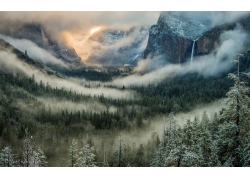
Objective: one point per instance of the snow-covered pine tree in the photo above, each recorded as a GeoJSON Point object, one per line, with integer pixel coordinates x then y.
{"type": "Point", "coordinates": [175, 155]}
{"type": "Point", "coordinates": [214, 125]}
{"type": "Point", "coordinates": [246, 155]}
{"type": "Point", "coordinates": [105, 163]}
{"type": "Point", "coordinates": [172, 138]}
{"type": "Point", "coordinates": [160, 152]}
{"type": "Point", "coordinates": [172, 126]}
{"type": "Point", "coordinates": [86, 156]}
{"type": "Point", "coordinates": [72, 153]}
{"type": "Point", "coordinates": [118, 156]}
{"type": "Point", "coordinates": [236, 121]}
{"type": "Point", "coordinates": [158, 156]}
{"type": "Point", "coordinates": [207, 146]}
{"type": "Point", "coordinates": [30, 156]}
{"type": "Point", "coordinates": [7, 159]}
{"type": "Point", "coordinates": [191, 154]}
{"type": "Point", "coordinates": [41, 158]}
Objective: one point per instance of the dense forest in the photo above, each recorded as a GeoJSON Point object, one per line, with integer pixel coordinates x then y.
{"type": "Point", "coordinates": [33, 133]}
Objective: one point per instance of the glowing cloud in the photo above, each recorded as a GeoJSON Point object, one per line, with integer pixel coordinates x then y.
{"type": "Point", "coordinates": [92, 31]}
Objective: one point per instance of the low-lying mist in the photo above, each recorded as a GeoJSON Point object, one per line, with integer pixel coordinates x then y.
{"type": "Point", "coordinates": [142, 136]}
{"type": "Point", "coordinates": [231, 43]}
{"type": "Point", "coordinates": [58, 105]}
{"type": "Point", "coordinates": [35, 52]}
{"type": "Point", "coordinates": [10, 63]}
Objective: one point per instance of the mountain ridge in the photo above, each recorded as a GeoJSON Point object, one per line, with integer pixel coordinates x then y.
{"type": "Point", "coordinates": [176, 47]}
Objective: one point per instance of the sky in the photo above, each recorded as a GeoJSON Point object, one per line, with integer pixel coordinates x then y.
{"type": "Point", "coordinates": [150, 17]}
{"type": "Point", "coordinates": [135, 5]}
{"type": "Point", "coordinates": [73, 28]}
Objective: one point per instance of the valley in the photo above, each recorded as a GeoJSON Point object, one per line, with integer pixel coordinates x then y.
{"type": "Point", "coordinates": [144, 96]}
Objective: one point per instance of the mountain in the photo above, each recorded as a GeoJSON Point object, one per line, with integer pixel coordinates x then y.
{"type": "Point", "coordinates": [120, 47]}
{"type": "Point", "coordinates": [22, 57]}
{"type": "Point", "coordinates": [36, 33]}
{"type": "Point", "coordinates": [175, 34]}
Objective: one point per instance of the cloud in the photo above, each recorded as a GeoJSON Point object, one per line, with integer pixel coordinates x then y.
{"type": "Point", "coordinates": [136, 35]}
{"type": "Point", "coordinates": [83, 46]}
{"type": "Point", "coordinates": [231, 43]}
{"type": "Point", "coordinates": [155, 76]}
{"type": "Point", "coordinates": [58, 105]}
{"type": "Point", "coordinates": [94, 48]}
{"type": "Point", "coordinates": [214, 17]}
{"type": "Point", "coordinates": [151, 70]}
{"type": "Point", "coordinates": [210, 108]}
{"type": "Point", "coordinates": [10, 63]}
{"type": "Point", "coordinates": [73, 28]}
{"type": "Point", "coordinates": [34, 51]}
{"type": "Point", "coordinates": [77, 19]}
{"type": "Point", "coordinates": [218, 18]}
{"type": "Point", "coordinates": [80, 22]}
{"type": "Point", "coordinates": [157, 122]}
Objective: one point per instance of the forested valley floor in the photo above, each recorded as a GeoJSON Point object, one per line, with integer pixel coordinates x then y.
{"type": "Point", "coordinates": [35, 133]}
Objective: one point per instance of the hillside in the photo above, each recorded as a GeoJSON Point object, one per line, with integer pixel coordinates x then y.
{"type": "Point", "coordinates": [175, 34]}
{"type": "Point", "coordinates": [163, 111]}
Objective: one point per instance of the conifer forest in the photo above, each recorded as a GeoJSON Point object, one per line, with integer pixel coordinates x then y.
{"type": "Point", "coordinates": [172, 92]}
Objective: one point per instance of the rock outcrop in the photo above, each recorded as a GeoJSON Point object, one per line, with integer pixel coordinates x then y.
{"type": "Point", "coordinates": [173, 37]}
{"type": "Point", "coordinates": [22, 57]}
{"type": "Point", "coordinates": [36, 33]}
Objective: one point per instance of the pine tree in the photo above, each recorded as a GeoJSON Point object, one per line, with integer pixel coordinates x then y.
{"type": "Point", "coordinates": [105, 163]}
{"type": "Point", "coordinates": [118, 156]}
{"type": "Point", "coordinates": [28, 150]}
{"type": "Point", "coordinates": [175, 155]}
{"type": "Point", "coordinates": [159, 152]}
{"type": "Point", "coordinates": [140, 157]}
{"type": "Point", "coordinates": [246, 155]}
{"type": "Point", "coordinates": [7, 159]}
{"type": "Point", "coordinates": [236, 120]}
{"type": "Point", "coordinates": [41, 158]}
{"type": "Point", "coordinates": [189, 153]}
{"type": "Point", "coordinates": [86, 156]}
{"type": "Point", "coordinates": [208, 148]}
{"type": "Point", "coordinates": [30, 156]}
{"type": "Point", "coordinates": [73, 153]}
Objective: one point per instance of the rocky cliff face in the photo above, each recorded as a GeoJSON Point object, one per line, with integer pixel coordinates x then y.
{"type": "Point", "coordinates": [173, 37]}
{"type": "Point", "coordinates": [209, 41]}
{"type": "Point", "coordinates": [6, 47]}
{"type": "Point", "coordinates": [36, 33]}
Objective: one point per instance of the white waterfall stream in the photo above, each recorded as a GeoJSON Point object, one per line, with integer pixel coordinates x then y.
{"type": "Point", "coordinates": [192, 55]}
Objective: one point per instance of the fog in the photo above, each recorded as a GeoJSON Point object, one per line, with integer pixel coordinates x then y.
{"type": "Point", "coordinates": [135, 137]}
{"type": "Point", "coordinates": [157, 123]}
{"type": "Point", "coordinates": [58, 105]}
{"type": "Point", "coordinates": [150, 70]}
{"type": "Point", "coordinates": [231, 43]}
{"type": "Point", "coordinates": [74, 28]}
{"type": "Point", "coordinates": [10, 63]}
{"type": "Point", "coordinates": [33, 51]}
{"type": "Point", "coordinates": [84, 20]}
{"type": "Point", "coordinates": [85, 46]}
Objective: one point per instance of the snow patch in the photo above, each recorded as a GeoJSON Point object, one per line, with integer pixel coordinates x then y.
{"type": "Point", "coordinates": [185, 26]}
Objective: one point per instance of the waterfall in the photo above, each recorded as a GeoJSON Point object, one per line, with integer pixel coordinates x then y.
{"type": "Point", "coordinates": [192, 54]}
{"type": "Point", "coordinates": [45, 40]}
